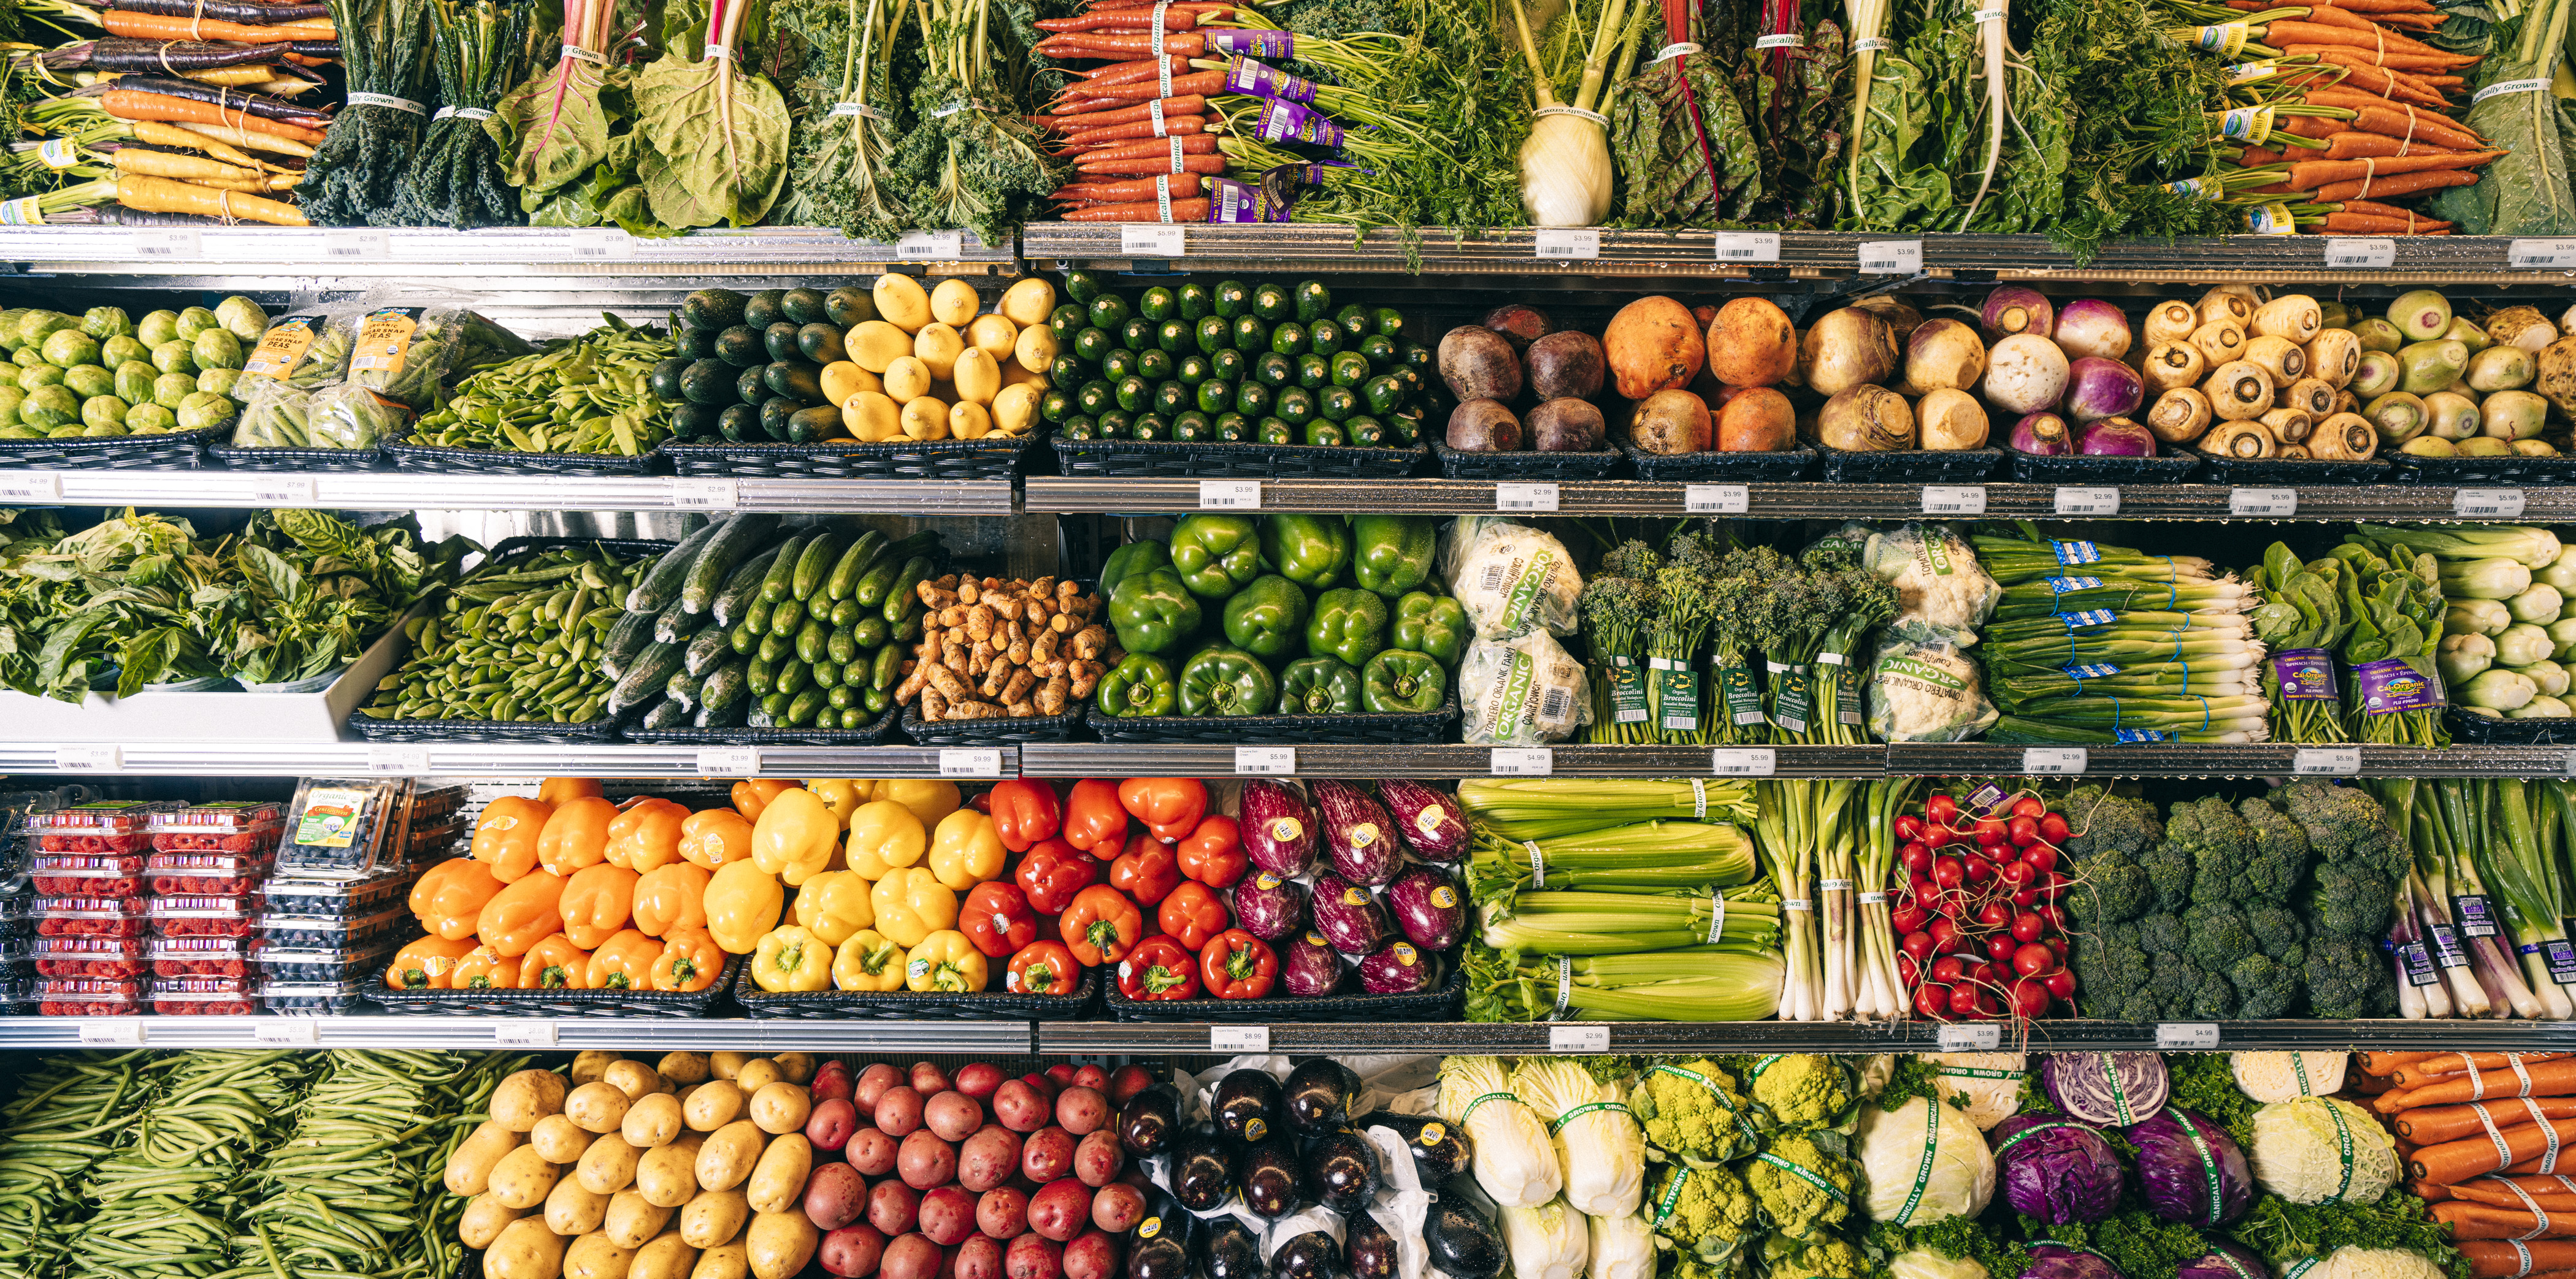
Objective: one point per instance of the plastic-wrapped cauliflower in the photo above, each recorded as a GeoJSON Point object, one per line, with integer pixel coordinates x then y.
{"type": "Point", "coordinates": [1512, 579]}
{"type": "Point", "coordinates": [2320, 1150]}
{"type": "Point", "coordinates": [1526, 691]}
{"type": "Point", "coordinates": [1941, 591]}
{"type": "Point", "coordinates": [1926, 691]}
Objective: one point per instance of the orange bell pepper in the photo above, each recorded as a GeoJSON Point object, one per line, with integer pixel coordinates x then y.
{"type": "Point", "coordinates": [1169, 806]}
{"type": "Point", "coordinates": [555, 964]}
{"type": "Point", "coordinates": [559, 790]}
{"type": "Point", "coordinates": [1101, 926]}
{"type": "Point", "coordinates": [647, 835]}
{"type": "Point", "coordinates": [484, 969]}
{"type": "Point", "coordinates": [673, 896]}
{"type": "Point", "coordinates": [752, 796]}
{"type": "Point", "coordinates": [448, 896]}
{"type": "Point", "coordinates": [624, 962]}
{"type": "Point", "coordinates": [505, 836]}
{"type": "Point", "coordinates": [597, 902]}
{"type": "Point", "coordinates": [710, 839]}
{"type": "Point", "coordinates": [427, 964]}
{"type": "Point", "coordinates": [690, 960]}
{"type": "Point", "coordinates": [576, 835]}
{"type": "Point", "coordinates": [522, 914]}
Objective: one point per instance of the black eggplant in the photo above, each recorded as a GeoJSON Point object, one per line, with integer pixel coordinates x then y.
{"type": "Point", "coordinates": [1320, 1095]}
{"type": "Point", "coordinates": [1440, 1150]}
{"type": "Point", "coordinates": [1247, 1106]}
{"type": "Point", "coordinates": [1202, 1171]}
{"type": "Point", "coordinates": [1341, 1171]}
{"type": "Point", "coordinates": [1159, 1246]}
{"type": "Point", "coordinates": [1228, 1249]}
{"type": "Point", "coordinates": [1147, 1121]}
{"type": "Point", "coordinates": [1367, 1248]}
{"type": "Point", "coordinates": [1312, 1255]}
{"type": "Point", "coordinates": [1267, 1174]}
{"type": "Point", "coordinates": [1463, 1244]}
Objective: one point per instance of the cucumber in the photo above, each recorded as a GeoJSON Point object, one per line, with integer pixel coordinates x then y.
{"type": "Point", "coordinates": [811, 641]}
{"type": "Point", "coordinates": [786, 616]}
{"type": "Point", "coordinates": [827, 674]}
{"type": "Point", "coordinates": [706, 652]}
{"type": "Point", "coordinates": [775, 648]}
{"type": "Point", "coordinates": [773, 706]}
{"type": "Point", "coordinates": [668, 713]}
{"type": "Point", "coordinates": [854, 561]}
{"type": "Point", "coordinates": [782, 571]}
{"type": "Point", "coordinates": [758, 616]}
{"type": "Point", "coordinates": [846, 611]}
{"type": "Point", "coordinates": [908, 630]}
{"type": "Point", "coordinates": [795, 677]}
{"type": "Point", "coordinates": [902, 601]}
{"type": "Point", "coordinates": [876, 700]}
{"type": "Point", "coordinates": [625, 640]}
{"type": "Point", "coordinates": [759, 677]}
{"type": "Point", "coordinates": [662, 585]}
{"type": "Point", "coordinates": [814, 565]}
{"type": "Point", "coordinates": [807, 705]}
{"type": "Point", "coordinates": [743, 587]}
{"type": "Point", "coordinates": [879, 578]}
{"type": "Point", "coordinates": [887, 669]}
{"type": "Point", "coordinates": [842, 645]}
{"type": "Point", "coordinates": [727, 716]}
{"type": "Point", "coordinates": [644, 680]}
{"type": "Point", "coordinates": [871, 632]}
{"type": "Point", "coordinates": [742, 639]}
{"type": "Point", "coordinates": [725, 689]}
{"type": "Point", "coordinates": [674, 625]}
{"type": "Point", "coordinates": [716, 561]}
{"type": "Point", "coordinates": [682, 687]}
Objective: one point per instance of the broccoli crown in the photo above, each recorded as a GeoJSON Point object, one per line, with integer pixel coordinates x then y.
{"type": "Point", "coordinates": [2111, 976]}
{"type": "Point", "coordinates": [2350, 902]}
{"type": "Point", "coordinates": [2277, 932]}
{"type": "Point", "coordinates": [2347, 977]}
{"type": "Point", "coordinates": [1826, 1258]}
{"type": "Point", "coordinates": [1804, 1189]}
{"type": "Point", "coordinates": [2109, 890]}
{"type": "Point", "coordinates": [2202, 836]}
{"type": "Point", "coordinates": [1692, 1110]}
{"type": "Point", "coordinates": [2109, 825]}
{"type": "Point", "coordinates": [2265, 987]}
{"type": "Point", "coordinates": [2274, 866]}
{"type": "Point", "coordinates": [1630, 558]}
{"type": "Point", "coordinates": [1802, 1090]}
{"type": "Point", "coordinates": [2217, 936]}
{"type": "Point", "coordinates": [2213, 998]}
{"type": "Point", "coordinates": [1708, 1213]}
{"type": "Point", "coordinates": [2345, 825]}
{"type": "Point", "coordinates": [2168, 868]}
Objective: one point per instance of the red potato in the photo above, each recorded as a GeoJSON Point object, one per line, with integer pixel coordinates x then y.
{"type": "Point", "coordinates": [1098, 1158]}
{"type": "Point", "coordinates": [926, 1161]}
{"type": "Point", "coordinates": [953, 1115]}
{"type": "Point", "coordinates": [977, 1258]}
{"type": "Point", "coordinates": [835, 1196]}
{"type": "Point", "coordinates": [1062, 1073]}
{"type": "Point", "coordinates": [1091, 1077]}
{"type": "Point", "coordinates": [947, 1215]}
{"type": "Point", "coordinates": [928, 1079]}
{"type": "Point", "coordinates": [831, 1079]}
{"type": "Point", "coordinates": [1033, 1257]}
{"type": "Point", "coordinates": [1117, 1207]}
{"type": "Point", "coordinates": [1092, 1256]}
{"type": "Point", "coordinates": [1003, 1212]}
{"type": "Point", "coordinates": [852, 1251]}
{"type": "Point", "coordinates": [1060, 1209]}
{"type": "Point", "coordinates": [870, 1151]}
{"type": "Point", "coordinates": [988, 1158]}
{"type": "Point", "coordinates": [910, 1257]}
{"type": "Point", "coordinates": [892, 1207]}
{"type": "Point", "coordinates": [1079, 1110]}
{"type": "Point", "coordinates": [1021, 1107]}
{"type": "Point", "coordinates": [872, 1084]}
{"type": "Point", "coordinates": [898, 1111]}
{"type": "Point", "coordinates": [978, 1079]}
{"type": "Point", "coordinates": [1047, 1155]}
{"type": "Point", "coordinates": [832, 1123]}
{"type": "Point", "coordinates": [1129, 1081]}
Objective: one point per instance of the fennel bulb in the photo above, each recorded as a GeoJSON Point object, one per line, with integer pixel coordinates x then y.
{"type": "Point", "coordinates": [1565, 168]}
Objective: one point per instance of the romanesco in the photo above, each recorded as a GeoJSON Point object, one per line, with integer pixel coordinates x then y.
{"type": "Point", "coordinates": [1831, 1257]}
{"type": "Point", "coordinates": [1803, 1090]}
{"type": "Point", "coordinates": [1804, 1182]}
{"type": "Point", "coordinates": [1692, 1111]}
{"type": "Point", "coordinates": [1708, 1214]}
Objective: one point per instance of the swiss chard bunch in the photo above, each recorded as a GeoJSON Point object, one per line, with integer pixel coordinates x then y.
{"type": "Point", "coordinates": [715, 132]}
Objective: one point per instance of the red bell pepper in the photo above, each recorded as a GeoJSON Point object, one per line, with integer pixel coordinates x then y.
{"type": "Point", "coordinates": [1192, 914]}
{"type": "Point", "coordinates": [1051, 872]}
{"type": "Point", "coordinates": [1025, 813]}
{"type": "Point", "coordinates": [1160, 969]}
{"type": "Point", "coordinates": [1147, 871]}
{"type": "Point", "coordinates": [1042, 968]}
{"type": "Point", "coordinates": [997, 918]}
{"type": "Point", "coordinates": [1093, 820]}
{"type": "Point", "coordinates": [1171, 806]}
{"type": "Point", "coordinates": [1238, 965]}
{"type": "Point", "coordinates": [1101, 926]}
{"type": "Point", "coordinates": [1213, 854]}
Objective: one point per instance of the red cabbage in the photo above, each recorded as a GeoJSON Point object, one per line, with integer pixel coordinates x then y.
{"type": "Point", "coordinates": [2055, 1169]}
{"type": "Point", "coordinates": [2057, 1261]}
{"type": "Point", "coordinates": [2190, 1170]}
{"type": "Point", "coordinates": [2226, 1259]}
{"type": "Point", "coordinates": [2114, 1090]}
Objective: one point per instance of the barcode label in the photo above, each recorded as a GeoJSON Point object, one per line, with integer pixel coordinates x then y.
{"type": "Point", "coordinates": [2374, 255]}
{"type": "Point", "coordinates": [2053, 759]}
{"type": "Point", "coordinates": [1525, 495]}
{"type": "Point", "coordinates": [88, 759]}
{"type": "Point", "coordinates": [282, 490]}
{"type": "Point", "coordinates": [287, 1032]}
{"type": "Point", "coordinates": [1748, 246]}
{"type": "Point", "coordinates": [1553, 706]}
{"type": "Point", "coordinates": [2263, 503]}
{"type": "Point", "coordinates": [2326, 761]}
{"type": "Point", "coordinates": [1264, 761]}
{"type": "Point", "coordinates": [977, 761]}
{"type": "Point", "coordinates": [1969, 1037]}
{"type": "Point", "coordinates": [2487, 504]}
{"type": "Point", "coordinates": [398, 761]}
{"type": "Point", "coordinates": [1716, 499]}
{"type": "Point", "coordinates": [729, 761]}
{"type": "Point", "coordinates": [601, 244]}
{"type": "Point", "coordinates": [1152, 240]}
{"type": "Point", "coordinates": [112, 1030]}
{"type": "Point", "coordinates": [1954, 499]}
{"type": "Point", "coordinates": [26, 486]}
{"type": "Point", "coordinates": [1492, 577]}
{"type": "Point", "coordinates": [1238, 1039]}
{"type": "Point", "coordinates": [1744, 761]}
{"type": "Point", "coordinates": [1578, 1039]}
{"type": "Point", "coordinates": [357, 246]}
{"type": "Point", "coordinates": [1891, 257]}
{"type": "Point", "coordinates": [2186, 1036]}
{"type": "Point", "coordinates": [1510, 761]}
{"type": "Point", "coordinates": [167, 243]}
{"type": "Point", "coordinates": [2541, 255]}
{"type": "Point", "coordinates": [1556, 242]}
{"type": "Point", "coordinates": [930, 246]}
{"type": "Point", "coordinates": [1229, 495]}
{"type": "Point", "coordinates": [523, 1032]}
{"type": "Point", "coordinates": [706, 495]}
{"type": "Point", "coordinates": [2088, 501]}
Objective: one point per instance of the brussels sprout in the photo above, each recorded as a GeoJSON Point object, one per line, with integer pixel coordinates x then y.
{"type": "Point", "coordinates": [217, 349]}
{"type": "Point", "coordinates": [64, 348]}
{"type": "Point", "coordinates": [242, 318]}
{"type": "Point", "coordinates": [174, 356]}
{"type": "Point", "coordinates": [10, 398]}
{"type": "Point", "coordinates": [157, 327]}
{"type": "Point", "coordinates": [169, 389]}
{"type": "Point", "coordinates": [104, 322]}
{"type": "Point", "coordinates": [50, 407]}
{"type": "Point", "coordinates": [36, 326]}
{"type": "Point", "coordinates": [86, 380]}
{"type": "Point", "coordinates": [103, 410]}
{"type": "Point", "coordinates": [39, 374]}
{"type": "Point", "coordinates": [219, 381]}
{"type": "Point", "coordinates": [27, 357]}
{"type": "Point", "coordinates": [203, 409]}
{"type": "Point", "coordinates": [196, 320]}
{"type": "Point", "coordinates": [149, 419]}
{"type": "Point", "coordinates": [135, 380]}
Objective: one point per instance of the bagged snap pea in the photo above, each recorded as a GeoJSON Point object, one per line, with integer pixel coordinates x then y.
{"type": "Point", "coordinates": [344, 415]}
{"type": "Point", "coordinates": [410, 354]}
{"type": "Point", "coordinates": [307, 349]}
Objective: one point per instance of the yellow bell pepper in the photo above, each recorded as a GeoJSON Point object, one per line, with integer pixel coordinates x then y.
{"type": "Point", "coordinates": [790, 961]}
{"type": "Point", "coordinates": [966, 850]}
{"type": "Point", "coordinates": [929, 798]}
{"type": "Point", "coordinates": [742, 902]}
{"type": "Point", "coordinates": [869, 962]}
{"type": "Point", "coordinates": [646, 837]}
{"type": "Point", "coordinates": [794, 837]}
{"type": "Point", "coordinates": [834, 905]}
{"type": "Point", "coordinates": [946, 961]}
{"type": "Point", "coordinates": [842, 795]}
{"type": "Point", "coordinates": [885, 835]}
{"type": "Point", "coordinates": [561, 790]}
{"type": "Point", "coordinates": [575, 836]}
{"type": "Point", "coordinates": [911, 904]}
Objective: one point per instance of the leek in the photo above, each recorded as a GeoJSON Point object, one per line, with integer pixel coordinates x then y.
{"type": "Point", "coordinates": [1695, 984]}
{"type": "Point", "coordinates": [2515, 861]}
{"type": "Point", "coordinates": [1650, 855]}
{"type": "Point", "coordinates": [1547, 807]}
{"type": "Point", "coordinates": [1743, 918]}
{"type": "Point", "coordinates": [2533, 548]}
{"type": "Point", "coordinates": [1801, 832]}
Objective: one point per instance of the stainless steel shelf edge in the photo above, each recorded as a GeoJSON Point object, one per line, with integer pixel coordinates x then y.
{"type": "Point", "coordinates": [1648, 1037]}
{"type": "Point", "coordinates": [464, 759]}
{"type": "Point", "coordinates": [408, 491]}
{"type": "Point", "coordinates": [1104, 759]}
{"type": "Point", "coordinates": [409, 254]}
{"type": "Point", "coordinates": [2176, 759]}
{"type": "Point", "coordinates": [485, 1033]}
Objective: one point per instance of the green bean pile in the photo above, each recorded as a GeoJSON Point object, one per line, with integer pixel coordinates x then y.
{"type": "Point", "coordinates": [164, 1206]}
{"type": "Point", "coordinates": [70, 1113]}
{"type": "Point", "coordinates": [515, 643]}
{"type": "Point", "coordinates": [584, 395]}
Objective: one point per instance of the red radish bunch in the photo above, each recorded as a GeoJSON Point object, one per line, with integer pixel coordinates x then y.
{"type": "Point", "coordinates": [1981, 931]}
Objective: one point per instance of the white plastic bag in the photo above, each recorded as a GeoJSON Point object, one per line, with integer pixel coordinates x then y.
{"type": "Point", "coordinates": [1525, 691]}
{"type": "Point", "coordinates": [1926, 690]}
{"type": "Point", "coordinates": [1511, 579]}
{"type": "Point", "coordinates": [1942, 593]}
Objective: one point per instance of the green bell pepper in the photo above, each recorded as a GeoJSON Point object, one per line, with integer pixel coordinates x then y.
{"type": "Point", "coordinates": [1401, 682]}
{"type": "Point", "coordinates": [1391, 554]}
{"type": "Point", "coordinates": [1309, 550]}
{"type": "Point", "coordinates": [1130, 560]}
{"type": "Point", "coordinates": [1267, 618]}
{"type": "Point", "coordinates": [1349, 624]}
{"type": "Point", "coordinates": [1434, 624]}
{"type": "Point", "coordinates": [1319, 686]}
{"type": "Point", "coordinates": [1153, 612]}
{"type": "Point", "coordinates": [1216, 555]}
{"type": "Point", "coordinates": [1140, 684]}
{"type": "Point", "coordinates": [1224, 680]}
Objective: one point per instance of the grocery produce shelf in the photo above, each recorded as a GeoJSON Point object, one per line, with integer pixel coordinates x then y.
{"type": "Point", "coordinates": [1094, 759]}
{"type": "Point", "coordinates": [469, 1033]}
{"type": "Point", "coordinates": [393, 490]}
{"type": "Point", "coordinates": [478, 759]}
{"type": "Point", "coordinates": [508, 254]}
{"type": "Point", "coordinates": [1847, 1037]}
{"type": "Point", "coordinates": [2269, 760]}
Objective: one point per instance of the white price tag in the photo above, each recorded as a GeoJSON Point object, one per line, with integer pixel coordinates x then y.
{"type": "Point", "coordinates": [970, 761]}
{"type": "Point", "coordinates": [125, 1031]}
{"type": "Point", "coordinates": [282, 490]}
{"type": "Point", "coordinates": [1534, 761]}
{"type": "Point", "coordinates": [1238, 1039]}
{"type": "Point", "coordinates": [2571, 763]}
{"type": "Point", "coordinates": [1954, 499]}
{"type": "Point", "coordinates": [2263, 503]}
{"type": "Point", "coordinates": [89, 759]}
{"type": "Point", "coordinates": [169, 243]}
{"type": "Point", "coordinates": [1561, 242]}
{"type": "Point", "coordinates": [1229, 495]}
{"type": "Point", "coordinates": [2052, 759]}
{"type": "Point", "coordinates": [2372, 255]}
{"type": "Point", "coordinates": [706, 495]}
{"type": "Point", "coordinates": [1152, 240]}
{"type": "Point", "coordinates": [1525, 495]}
{"type": "Point", "coordinates": [1891, 257]}
{"type": "Point", "coordinates": [1748, 246]}
{"type": "Point", "coordinates": [729, 761]}
{"type": "Point", "coordinates": [398, 761]}
{"type": "Point", "coordinates": [1716, 499]}
{"type": "Point", "coordinates": [2541, 255]}
{"type": "Point", "coordinates": [930, 246]}
{"type": "Point", "coordinates": [1969, 1036]}
{"type": "Point", "coordinates": [2087, 501]}
{"type": "Point", "coordinates": [2326, 761]}
{"type": "Point", "coordinates": [2487, 504]}
{"type": "Point", "coordinates": [2186, 1036]}
{"type": "Point", "coordinates": [601, 244]}
{"type": "Point", "coordinates": [361, 245]}
{"type": "Point", "coordinates": [1264, 761]}
{"type": "Point", "coordinates": [523, 1032]}
{"type": "Point", "coordinates": [30, 486]}
{"type": "Point", "coordinates": [1744, 761]}
{"type": "Point", "coordinates": [1592, 1038]}
{"type": "Point", "coordinates": [287, 1032]}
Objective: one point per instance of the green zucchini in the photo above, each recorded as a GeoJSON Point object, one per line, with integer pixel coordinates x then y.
{"type": "Point", "coordinates": [782, 571]}
{"type": "Point", "coordinates": [706, 652]}
{"type": "Point", "coordinates": [632, 632]}
{"type": "Point", "coordinates": [662, 585]}
{"type": "Point", "coordinates": [743, 587]}
{"type": "Point", "coordinates": [854, 561]}
{"type": "Point", "coordinates": [741, 536]}
{"type": "Point", "coordinates": [644, 680]}
{"type": "Point", "coordinates": [814, 565]}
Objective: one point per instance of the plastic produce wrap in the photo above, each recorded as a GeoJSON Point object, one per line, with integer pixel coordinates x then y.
{"type": "Point", "coordinates": [1511, 578]}
{"type": "Point", "coordinates": [411, 353]}
{"type": "Point", "coordinates": [1514, 1161]}
{"type": "Point", "coordinates": [1941, 590]}
{"type": "Point", "coordinates": [1926, 690]}
{"type": "Point", "coordinates": [279, 415]}
{"type": "Point", "coordinates": [308, 349]}
{"type": "Point", "coordinates": [1525, 691]}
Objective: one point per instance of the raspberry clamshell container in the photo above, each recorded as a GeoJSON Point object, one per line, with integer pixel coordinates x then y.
{"type": "Point", "coordinates": [204, 884]}
{"type": "Point", "coordinates": [68, 1005]}
{"type": "Point", "coordinates": [84, 906]}
{"type": "Point", "coordinates": [222, 815]}
{"type": "Point", "coordinates": [103, 817]}
{"type": "Point", "coordinates": [102, 957]}
{"type": "Point", "coordinates": [81, 883]}
{"type": "Point", "coordinates": [205, 997]}
{"type": "Point", "coordinates": [288, 895]}
{"type": "Point", "coordinates": [204, 915]}
{"type": "Point", "coordinates": [200, 956]}
{"type": "Point", "coordinates": [326, 966]}
{"type": "Point", "coordinates": [339, 933]}
{"type": "Point", "coordinates": [99, 864]}
{"type": "Point", "coordinates": [260, 840]}
{"type": "Point", "coordinates": [312, 997]}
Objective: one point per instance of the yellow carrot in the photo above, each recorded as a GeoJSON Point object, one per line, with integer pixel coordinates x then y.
{"type": "Point", "coordinates": [171, 135]}
{"type": "Point", "coordinates": [164, 164]}
{"type": "Point", "coordinates": [246, 139]}
{"type": "Point", "coordinates": [161, 195]}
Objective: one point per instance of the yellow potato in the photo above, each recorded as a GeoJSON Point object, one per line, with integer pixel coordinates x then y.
{"type": "Point", "coordinates": [994, 335]}
{"type": "Point", "coordinates": [716, 1103]}
{"type": "Point", "coordinates": [939, 345]}
{"type": "Point", "coordinates": [780, 1243]}
{"type": "Point", "coordinates": [667, 1176]}
{"type": "Point", "coordinates": [1029, 302]}
{"type": "Point", "coordinates": [901, 302]}
{"type": "Point", "coordinates": [756, 1074]}
{"type": "Point", "coordinates": [594, 1257]}
{"type": "Point", "coordinates": [522, 1178]}
{"type": "Point", "coordinates": [525, 1249]}
{"type": "Point", "coordinates": [954, 302]}
{"type": "Point", "coordinates": [608, 1166]}
{"type": "Point", "coordinates": [727, 1157]}
{"type": "Point", "coordinates": [713, 1217]}
{"type": "Point", "coordinates": [591, 1063]}
{"type": "Point", "coordinates": [979, 377]}
{"type": "Point", "coordinates": [596, 1107]}
{"type": "Point", "coordinates": [724, 1063]}
{"type": "Point", "coordinates": [781, 1107]}
{"type": "Point", "coordinates": [778, 1181]}
{"type": "Point", "coordinates": [559, 1139]}
{"type": "Point", "coordinates": [652, 1121]}
{"type": "Point", "coordinates": [484, 1220]}
{"type": "Point", "coordinates": [469, 1170]}
{"type": "Point", "coordinates": [871, 418]}
{"type": "Point", "coordinates": [842, 379]}
{"type": "Point", "coordinates": [632, 1222]}
{"type": "Point", "coordinates": [574, 1209]}
{"type": "Point", "coordinates": [798, 1068]}
{"type": "Point", "coordinates": [1015, 410]}
{"type": "Point", "coordinates": [635, 1079]}
{"type": "Point", "coordinates": [925, 419]}
{"type": "Point", "coordinates": [907, 379]}
{"type": "Point", "coordinates": [968, 420]}
{"type": "Point", "coordinates": [683, 1067]}
{"type": "Point", "coordinates": [875, 344]}
{"type": "Point", "coordinates": [528, 1096]}
{"type": "Point", "coordinates": [1035, 348]}
{"type": "Point", "coordinates": [728, 1260]}
{"type": "Point", "coordinates": [668, 1256]}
